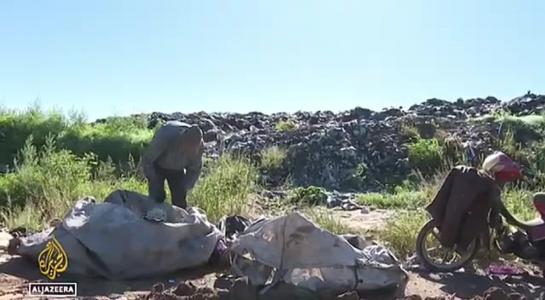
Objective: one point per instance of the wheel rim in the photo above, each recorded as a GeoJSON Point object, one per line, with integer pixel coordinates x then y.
{"type": "Point", "coordinates": [441, 257]}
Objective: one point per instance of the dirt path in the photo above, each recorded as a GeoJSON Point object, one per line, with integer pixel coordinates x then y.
{"type": "Point", "coordinates": [362, 221]}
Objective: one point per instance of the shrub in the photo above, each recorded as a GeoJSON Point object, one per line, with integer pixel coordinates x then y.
{"type": "Point", "coordinates": [16, 127]}
{"type": "Point", "coordinates": [116, 137]}
{"type": "Point", "coordinates": [286, 125]}
{"type": "Point", "coordinates": [453, 151]}
{"type": "Point", "coordinates": [106, 143]}
{"type": "Point", "coordinates": [524, 129]}
{"type": "Point", "coordinates": [272, 158]}
{"type": "Point", "coordinates": [409, 133]}
{"type": "Point", "coordinates": [44, 176]}
{"type": "Point", "coordinates": [426, 156]}
{"type": "Point", "coordinates": [225, 188]}
{"type": "Point", "coordinates": [311, 195]}
{"type": "Point", "coordinates": [47, 181]}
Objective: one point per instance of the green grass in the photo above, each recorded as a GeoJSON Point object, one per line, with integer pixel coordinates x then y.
{"type": "Point", "coordinates": [403, 200]}
{"type": "Point", "coordinates": [116, 137]}
{"type": "Point", "coordinates": [226, 188]}
{"type": "Point", "coordinates": [285, 126]}
{"type": "Point", "coordinates": [410, 196]}
{"type": "Point", "coordinates": [519, 203]}
{"type": "Point", "coordinates": [307, 196]}
{"type": "Point", "coordinates": [400, 232]}
{"type": "Point", "coordinates": [326, 221]}
{"type": "Point", "coordinates": [534, 121]}
{"type": "Point", "coordinates": [273, 157]}
{"type": "Point", "coordinates": [426, 155]}
{"type": "Point", "coordinates": [49, 180]}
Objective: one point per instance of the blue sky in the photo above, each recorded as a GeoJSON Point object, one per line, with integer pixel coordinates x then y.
{"type": "Point", "coordinates": [121, 57]}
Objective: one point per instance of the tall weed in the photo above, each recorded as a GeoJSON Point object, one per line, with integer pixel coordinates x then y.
{"type": "Point", "coordinates": [225, 188]}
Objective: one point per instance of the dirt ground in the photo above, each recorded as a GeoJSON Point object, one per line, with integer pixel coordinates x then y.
{"type": "Point", "coordinates": [16, 273]}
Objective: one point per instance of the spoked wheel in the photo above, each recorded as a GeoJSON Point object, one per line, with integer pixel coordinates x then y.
{"type": "Point", "coordinates": [434, 257]}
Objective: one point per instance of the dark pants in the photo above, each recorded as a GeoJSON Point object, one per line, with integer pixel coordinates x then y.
{"type": "Point", "coordinates": [175, 180]}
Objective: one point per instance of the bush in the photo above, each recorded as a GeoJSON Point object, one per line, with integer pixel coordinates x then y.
{"type": "Point", "coordinates": [311, 196]}
{"type": "Point", "coordinates": [524, 129]}
{"type": "Point", "coordinates": [106, 143]}
{"type": "Point", "coordinates": [272, 158]}
{"type": "Point", "coordinates": [47, 181]}
{"type": "Point", "coordinates": [117, 137]}
{"type": "Point", "coordinates": [225, 188]}
{"type": "Point", "coordinates": [426, 156]}
{"type": "Point", "coordinates": [286, 125]}
{"type": "Point", "coordinates": [409, 133]}
{"type": "Point", "coordinates": [16, 127]}
{"type": "Point", "coordinates": [453, 152]}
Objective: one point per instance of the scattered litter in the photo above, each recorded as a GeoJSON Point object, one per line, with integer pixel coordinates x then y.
{"type": "Point", "coordinates": [344, 201]}
{"type": "Point", "coordinates": [350, 205]}
{"type": "Point", "coordinates": [233, 225]}
{"type": "Point", "coordinates": [504, 270]}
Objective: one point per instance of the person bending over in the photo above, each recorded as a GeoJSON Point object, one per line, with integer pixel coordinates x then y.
{"type": "Point", "coordinates": [175, 155]}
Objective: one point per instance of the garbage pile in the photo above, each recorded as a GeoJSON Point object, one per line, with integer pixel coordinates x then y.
{"type": "Point", "coordinates": [355, 150]}
{"type": "Point", "coordinates": [129, 236]}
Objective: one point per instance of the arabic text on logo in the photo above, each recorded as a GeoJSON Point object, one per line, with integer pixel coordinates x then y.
{"type": "Point", "coordinates": [53, 260]}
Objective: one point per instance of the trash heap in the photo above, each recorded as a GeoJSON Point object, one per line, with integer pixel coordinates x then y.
{"type": "Point", "coordinates": [355, 150]}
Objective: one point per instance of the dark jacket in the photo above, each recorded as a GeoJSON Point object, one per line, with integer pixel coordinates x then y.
{"type": "Point", "coordinates": [175, 147]}
{"type": "Point", "coordinates": [463, 204]}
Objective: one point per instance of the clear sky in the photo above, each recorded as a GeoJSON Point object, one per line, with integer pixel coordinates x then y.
{"type": "Point", "coordinates": [121, 57]}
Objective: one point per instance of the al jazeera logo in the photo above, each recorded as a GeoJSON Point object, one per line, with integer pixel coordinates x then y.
{"type": "Point", "coordinates": [52, 262]}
